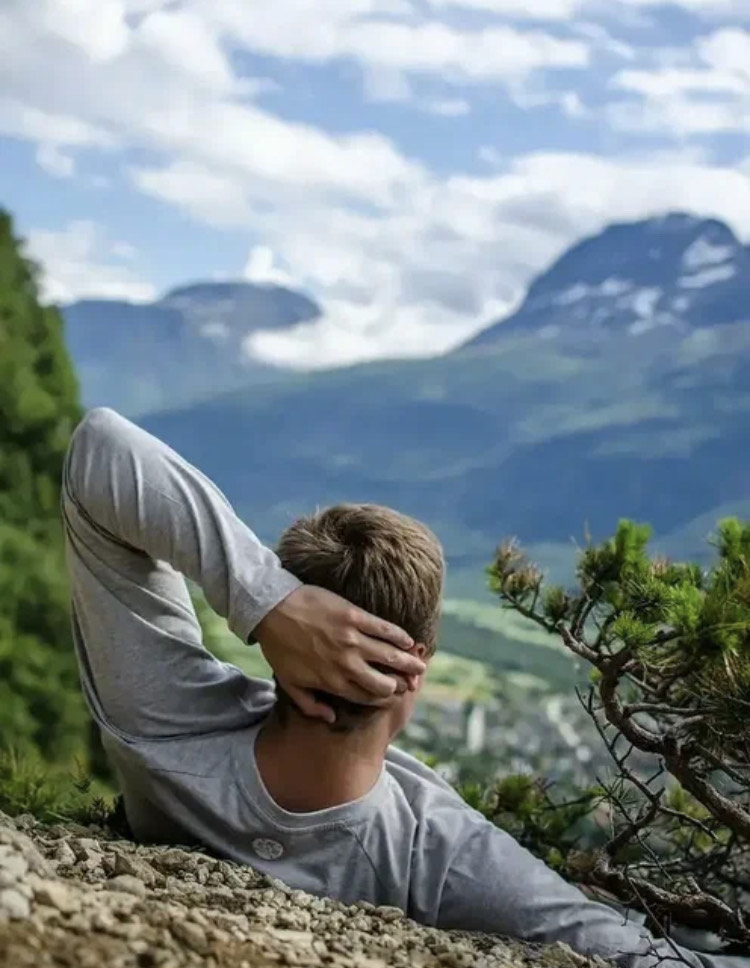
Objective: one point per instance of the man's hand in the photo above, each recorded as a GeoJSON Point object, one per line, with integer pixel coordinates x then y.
{"type": "Point", "coordinates": [316, 640]}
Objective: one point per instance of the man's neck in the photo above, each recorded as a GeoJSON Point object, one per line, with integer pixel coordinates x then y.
{"type": "Point", "coordinates": [307, 767]}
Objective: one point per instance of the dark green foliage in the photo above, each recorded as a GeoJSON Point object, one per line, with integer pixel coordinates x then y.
{"type": "Point", "coordinates": [669, 648]}
{"type": "Point", "coordinates": [40, 704]}
{"type": "Point", "coordinates": [29, 785]}
{"type": "Point", "coordinates": [550, 827]}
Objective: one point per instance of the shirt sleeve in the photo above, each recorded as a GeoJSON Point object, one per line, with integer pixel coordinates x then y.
{"type": "Point", "coordinates": [137, 518]}
{"type": "Point", "coordinates": [494, 885]}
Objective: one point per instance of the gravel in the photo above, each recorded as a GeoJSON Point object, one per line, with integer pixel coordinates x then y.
{"type": "Point", "coordinates": [72, 897]}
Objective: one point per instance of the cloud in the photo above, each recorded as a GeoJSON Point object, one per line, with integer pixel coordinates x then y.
{"type": "Point", "coordinates": [54, 162]}
{"type": "Point", "coordinates": [406, 259]}
{"type": "Point", "coordinates": [448, 107]}
{"type": "Point", "coordinates": [568, 102]}
{"type": "Point", "coordinates": [186, 114]}
{"type": "Point", "coordinates": [425, 278]}
{"type": "Point", "coordinates": [79, 262]}
{"type": "Point", "coordinates": [565, 10]}
{"type": "Point", "coordinates": [52, 133]}
{"type": "Point", "coordinates": [182, 40]}
{"type": "Point", "coordinates": [263, 266]}
{"type": "Point", "coordinates": [708, 93]}
{"type": "Point", "coordinates": [518, 9]}
{"type": "Point", "coordinates": [727, 50]}
{"type": "Point", "coordinates": [359, 30]}
{"type": "Point", "coordinates": [25, 121]}
{"type": "Point", "coordinates": [704, 8]}
{"type": "Point", "coordinates": [216, 198]}
{"type": "Point", "coordinates": [97, 27]}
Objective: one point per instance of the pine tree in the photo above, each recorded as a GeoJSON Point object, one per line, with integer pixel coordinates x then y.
{"type": "Point", "coordinates": [669, 647]}
{"type": "Point", "coordinates": [40, 702]}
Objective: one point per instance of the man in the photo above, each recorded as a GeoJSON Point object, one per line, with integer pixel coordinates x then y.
{"type": "Point", "coordinates": [307, 789]}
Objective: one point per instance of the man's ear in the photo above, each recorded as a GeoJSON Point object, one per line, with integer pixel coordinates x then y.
{"type": "Point", "coordinates": [415, 682]}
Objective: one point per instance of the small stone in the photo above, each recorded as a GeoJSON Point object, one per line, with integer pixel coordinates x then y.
{"type": "Point", "coordinates": [14, 905]}
{"type": "Point", "coordinates": [388, 913]}
{"type": "Point", "coordinates": [192, 935]}
{"type": "Point", "coordinates": [12, 869]}
{"type": "Point", "coordinates": [127, 864]}
{"type": "Point", "coordinates": [82, 845]}
{"type": "Point", "coordinates": [64, 855]}
{"type": "Point", "coordinates": [103, 920]}
{"type": "Point", "coordinates": [175, 860]}
{"type": "Point", "coordinates": [57, 895]}
{"type": "Point", "coordinates": [127, 884]}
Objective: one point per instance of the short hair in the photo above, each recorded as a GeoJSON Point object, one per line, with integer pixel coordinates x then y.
{"type": "Point", "coordinates": [383, 561]}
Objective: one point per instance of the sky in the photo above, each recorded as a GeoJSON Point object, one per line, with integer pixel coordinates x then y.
{"type": "Point", "coordinates": [411, 164]}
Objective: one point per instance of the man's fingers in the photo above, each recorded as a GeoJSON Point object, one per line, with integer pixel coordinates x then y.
{"type": "Point", "coordinates": [376, 628]}
{"type": "Point", "coordinates": [402, 662]}
{"type": "Point", "coordinates": [370, 683]}
{"type": "Point", "coordinates": [310, 706]}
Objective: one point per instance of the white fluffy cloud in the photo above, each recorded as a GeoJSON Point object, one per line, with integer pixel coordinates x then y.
{"type": "Point", "coordinates": [80, 261]}
{"type": "Point", "coordinates": [562, 10]}
{"type": "Point", "coordinates": [710, 93]}
{"type": "Point", "coordinates": [97, 27]}
{"type": "Point", "coordinates": [425, 277]}
{"type": "Point", "coordinates": [357, 30]}
{"type": "Point", "coordinates": [520, 9]}
{"type": "Point", "coordinates": [54, 161]}
{"type": "Point", "coordinates": [405, 260]}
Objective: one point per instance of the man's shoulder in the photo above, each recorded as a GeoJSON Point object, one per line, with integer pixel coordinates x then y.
{"type": "Point", "coordinates": [410, 772]}
{"type": "Point", "coordinates": [439, 812]}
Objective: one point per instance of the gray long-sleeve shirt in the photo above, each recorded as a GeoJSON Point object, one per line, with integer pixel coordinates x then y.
{"type": "Point", "coordinates": [180, 726]}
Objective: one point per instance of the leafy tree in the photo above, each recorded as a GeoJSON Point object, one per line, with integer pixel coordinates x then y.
{"type": "Point", "coordinates": [669, 647]}
{"type": "Point", "coordinates": [40, 703]}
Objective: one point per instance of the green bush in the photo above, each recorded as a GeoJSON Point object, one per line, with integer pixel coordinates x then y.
{"type": "Point", "coordinates": [41, 709]}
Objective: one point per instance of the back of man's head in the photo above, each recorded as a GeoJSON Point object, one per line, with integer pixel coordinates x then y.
{"type": "Point", "coordinates": [385, 562]}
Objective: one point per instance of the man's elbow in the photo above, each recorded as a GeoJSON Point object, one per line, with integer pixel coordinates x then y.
{"type": "Point", "coordinates": [92, 442]}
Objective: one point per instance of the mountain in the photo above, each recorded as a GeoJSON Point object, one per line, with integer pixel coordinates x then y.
{"type": "Point", "coordinates": [678, 271]}
{"type": "Point", "coordinates": [566, 417]}
{"type": "Point", "coordinates": [183, 348]}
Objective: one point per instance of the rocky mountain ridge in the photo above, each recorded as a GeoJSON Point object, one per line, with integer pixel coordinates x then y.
{"type": "Point", "coordinates": [679, 271]}
{"type": "Point", "coordinates": [186, 346]}
{"type": "Point", "coordinates": [73, 897]}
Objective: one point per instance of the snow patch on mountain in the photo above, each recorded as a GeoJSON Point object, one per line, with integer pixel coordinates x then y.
{"type": "Point", "coordinates": [707, 277]}
{"type": "Point", "coordinates": [215, 330]}
{"type": "Point", "coordinates": [609, 288]}
{"type": "Point", "coordinates": [703, 253]}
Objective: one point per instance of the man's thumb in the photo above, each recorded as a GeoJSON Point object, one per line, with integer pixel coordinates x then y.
{"type": "Point", "coordinates": [310, 706]}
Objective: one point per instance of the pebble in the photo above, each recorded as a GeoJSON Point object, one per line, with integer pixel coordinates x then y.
{"type": "Point", "coordinates": [13, 904]}
{"type": "Point", "coordinates": [388, 913]}
{"type": "Point", "coordinates": [192, 934]}
{"type": "Point", "coordinates": [64, 855]}
{"type": "Point", "coordinates": [134, 867]}
{"type": "Point", "coordinates": [12, 869]}
{"type": "Point", "coordinates": [57, 894]}
{"type": "Point", "coordinates": [128, 885]}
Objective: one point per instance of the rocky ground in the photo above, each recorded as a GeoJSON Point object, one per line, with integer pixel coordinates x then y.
{"type": "Point", "coordinates": [72, 896]}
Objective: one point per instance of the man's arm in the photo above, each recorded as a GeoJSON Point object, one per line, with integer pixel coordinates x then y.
{"type": "Point", "coordinates": [136, 514]}
{"type": "Point", "coordinates": [138, 492]}
{"type": "Point", "coordinates": [494, 885]}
